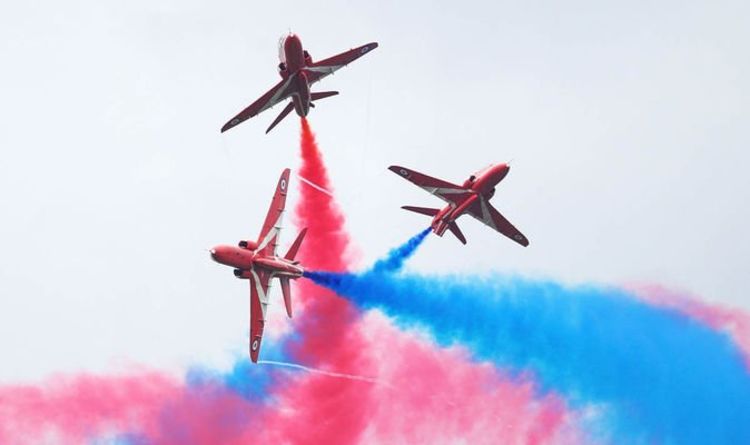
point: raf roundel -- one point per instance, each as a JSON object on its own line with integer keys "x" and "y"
{"x": 365, "y": 49}
{"x": 255, "y": 345}
{"x": 282, "y": 184}
{"x": 404, "y": 173}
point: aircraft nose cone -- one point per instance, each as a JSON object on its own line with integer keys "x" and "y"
{"x": 212, "y": 252}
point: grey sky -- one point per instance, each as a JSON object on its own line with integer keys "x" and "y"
{"x": 627, "y": 126}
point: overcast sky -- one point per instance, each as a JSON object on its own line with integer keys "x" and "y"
{"x": 627, "y": 126}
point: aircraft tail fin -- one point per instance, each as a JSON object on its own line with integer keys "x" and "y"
{"x": 421, "y": 210}
{"x": 453, "y": 227}
{"x": 295, "y": 245}
{"x": 322, "y": 95}
{"x": 287, "y": 292}
{"x": 285, "y": 288}
{"x": 288, "y": 109}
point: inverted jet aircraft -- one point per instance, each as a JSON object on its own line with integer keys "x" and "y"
{"x": 258, "y": 263}
{"x": 472, "y": 198}
{"x": 298, "y": 72}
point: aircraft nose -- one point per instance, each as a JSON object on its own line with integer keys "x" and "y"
{"x": 212, "y": 252}
{"x": 291, "y": 41}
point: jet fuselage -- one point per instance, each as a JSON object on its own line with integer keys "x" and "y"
{"x": 295, "y": 60}
{"x": 482, "y": 184}
{"x": 245, "y": 260}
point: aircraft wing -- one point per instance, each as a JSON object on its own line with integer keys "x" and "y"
{"x": 268, "y": 240}
{"x": 322, "y": 68}
{"x": 448, "y": 192}
{"x": 259, "y": 287}
{"x": 278, "y": 93}
{"x": 488, "y": 215}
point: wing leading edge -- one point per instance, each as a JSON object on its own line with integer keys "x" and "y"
{"x": 278, "y": 93}
{"x": 448, "y": 192}
{"x": 325, "y": 67}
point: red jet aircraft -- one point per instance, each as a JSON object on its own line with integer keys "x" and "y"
{"x": 470, "y": 198}
{"x": 298, "y": 72}
{"x": 259, "y": 263}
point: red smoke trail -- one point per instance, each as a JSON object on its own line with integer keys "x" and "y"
{"x": 206, "y": 414}
{"x": 151, "y": 406}
{"x": 73, "y": 410}
{"x": 439, "y": 396}
{"x": 327, "y": 410}
{"x": 325, "y": 324}
{"x": 327, "y": 243}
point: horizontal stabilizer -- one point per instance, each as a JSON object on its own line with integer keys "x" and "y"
{"x": 453, "y": 227}
{"x": 295, "y": 246}
{"x": 288, "y": 109}
{"x": 422, "y": 210}
{"x": 322, "y": 95}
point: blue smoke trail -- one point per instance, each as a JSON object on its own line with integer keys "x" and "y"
{"x": 396, "y": 257}
{"x": 659, "y": 375}
{"x": 246, "y": 379}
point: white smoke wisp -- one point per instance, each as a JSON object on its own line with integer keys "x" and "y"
{"x": 315, "y": 186}
{"x": 339, "y": 375}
